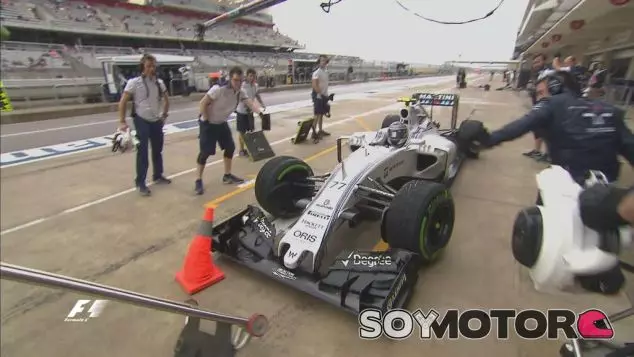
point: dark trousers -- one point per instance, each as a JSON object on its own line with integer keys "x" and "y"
{"x": 148, "y": 133}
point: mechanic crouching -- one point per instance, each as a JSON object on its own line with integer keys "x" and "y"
{"x": 582, "y": 134}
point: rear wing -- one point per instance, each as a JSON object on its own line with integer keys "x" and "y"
{"x": 435, "y": 100}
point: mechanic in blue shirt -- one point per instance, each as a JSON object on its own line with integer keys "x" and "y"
{"x": 581, "y": 134}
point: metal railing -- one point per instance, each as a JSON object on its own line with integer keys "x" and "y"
{"x": 255, "y": 326}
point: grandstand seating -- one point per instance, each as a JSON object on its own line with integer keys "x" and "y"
{"x": 28, "y": 60}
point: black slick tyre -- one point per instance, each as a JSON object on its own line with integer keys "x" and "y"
{"x": 526, "y": 243}
{"x": 274, "y": 186}
{"x": 420, "y": 219}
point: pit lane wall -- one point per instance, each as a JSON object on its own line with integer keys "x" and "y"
{"x": 20, "y": 115}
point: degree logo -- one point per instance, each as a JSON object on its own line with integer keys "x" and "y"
{"x": 594, "y": 324}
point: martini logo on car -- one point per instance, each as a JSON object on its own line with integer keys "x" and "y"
{"x": 477, "y": 324}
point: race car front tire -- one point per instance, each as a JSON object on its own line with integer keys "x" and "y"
{"x": 420, "y": 219}
{"x": 389, "y": 119}
{"x": 274, "y": 189}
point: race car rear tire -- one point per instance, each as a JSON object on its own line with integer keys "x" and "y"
{"x": 274, "y": 190}
{"x": 468, "y": 132}
{"x": 389, "y": 119}
{"x": 420, "y": 219}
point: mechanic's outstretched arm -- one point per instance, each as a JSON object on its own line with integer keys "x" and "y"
{"x": 539, "y": 115}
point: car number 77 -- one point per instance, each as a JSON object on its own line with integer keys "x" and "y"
{"x": 338, "y": 184}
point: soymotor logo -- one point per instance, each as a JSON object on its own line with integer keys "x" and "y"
{"x": 400, "y": 324}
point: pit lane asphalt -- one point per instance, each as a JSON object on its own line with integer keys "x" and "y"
{"x": 50, "y": 132}
{"x": 139, "y": 243}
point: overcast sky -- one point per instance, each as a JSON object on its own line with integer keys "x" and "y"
{"x": 382, "y": 30}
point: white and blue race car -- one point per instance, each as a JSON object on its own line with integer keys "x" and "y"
{"x": 398, "y": 175}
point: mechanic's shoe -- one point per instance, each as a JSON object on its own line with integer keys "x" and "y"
{"x": 143, "y": 190}
{"x": 231, "y": 179}
{"x": 198, "y": 187}
{"x": 532, "y": 153}
{"x": 315, "y": 138}
{"x": 162, "y": 181}
{"x": 323, "y": 133}
{"x": 243, "y": 153}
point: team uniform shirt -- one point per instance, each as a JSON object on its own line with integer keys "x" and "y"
{"x": 146, "y": 97}
{"x": 225, "y": 102}
{"x": 251, "y": 90}
{"x": 322, "y": 76}
{"x": 581, "y": 134}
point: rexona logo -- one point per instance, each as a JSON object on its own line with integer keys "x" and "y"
{"x": 476, "y": 324}
{"x": 305, "y": 236}
{"x": 368, "y": 260}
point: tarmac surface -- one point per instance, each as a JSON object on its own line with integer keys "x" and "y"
{"x": 49, "y": 132}
{"x": 78, "y": 215}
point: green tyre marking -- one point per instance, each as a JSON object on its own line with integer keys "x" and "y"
{"x": 422, "y": 237}
{"x": 290, "y": 169}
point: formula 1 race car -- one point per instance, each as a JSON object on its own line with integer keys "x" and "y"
{"x": 398, "y": 176}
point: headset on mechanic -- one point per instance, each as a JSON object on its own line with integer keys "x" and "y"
{"x": 581, "y": 134}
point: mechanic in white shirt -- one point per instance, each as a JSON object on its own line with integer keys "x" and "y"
{"x": 147, "y": 92}
{"x": 245, "y": 122}
{"x": 320, "y": 96}
{"x": 215, "y": 109}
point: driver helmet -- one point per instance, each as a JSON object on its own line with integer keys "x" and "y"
{"x": 123, "y": 141}
{"x": 397, "y": 134}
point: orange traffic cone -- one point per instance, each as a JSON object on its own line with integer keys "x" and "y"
{"x": 199, "y": 271}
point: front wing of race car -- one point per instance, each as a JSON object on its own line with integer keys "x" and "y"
{"x": 357, "y": 280}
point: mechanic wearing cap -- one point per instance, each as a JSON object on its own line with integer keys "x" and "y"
{"x": 215, "y": 109}
{"x": 320, "y": 97}
{"x": 245, "y": 122}
{"x": 582, "y": 134}
{"x": 146, "y": 91}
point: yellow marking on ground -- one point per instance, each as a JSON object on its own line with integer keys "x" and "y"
{"x": 363, "y": 124}
{"x": 380, "y": 246}
{"x": 218, "y": 200}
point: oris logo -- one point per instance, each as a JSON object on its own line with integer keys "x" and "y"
{"x": 305, "y": 236}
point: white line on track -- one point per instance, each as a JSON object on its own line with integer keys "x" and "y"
{"x": 84, "y": 124}
{"x": 178, "y": 174}
{"x": 22, "y": 133}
